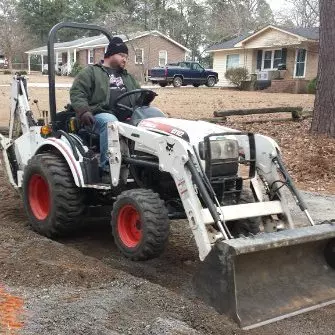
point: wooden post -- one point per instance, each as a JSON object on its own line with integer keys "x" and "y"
{"x": 295, "y": 111}
{"x": 68, "y": 61}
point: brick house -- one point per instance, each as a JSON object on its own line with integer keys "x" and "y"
{"x": 146, "y": 50}
{"x": 284, "y": 58}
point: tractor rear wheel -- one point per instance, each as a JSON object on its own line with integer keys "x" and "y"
{"x": 53, "y": 202}
{"x": 140, "y": 224}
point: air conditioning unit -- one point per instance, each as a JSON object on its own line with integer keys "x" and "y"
{"x": 263, "y": 75}
{"x": 268, "y": 75}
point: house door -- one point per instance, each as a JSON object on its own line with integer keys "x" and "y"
{"x": 300, "y": 64}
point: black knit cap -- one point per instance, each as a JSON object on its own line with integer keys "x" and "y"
{"x": 116, "y": 46}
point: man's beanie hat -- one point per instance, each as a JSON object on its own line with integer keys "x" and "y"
{"x": 115, "y": 46}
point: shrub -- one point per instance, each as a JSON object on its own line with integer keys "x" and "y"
{"x": 7, "y": 72}
{"x": 76, "y": 68}
{"x": 311, "y": 88}
{"x": 237, "y": 75}
{"x": 45, "y": 72}
{"x": 22, "y": 73}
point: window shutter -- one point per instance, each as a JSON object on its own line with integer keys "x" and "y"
{"x": 259, "y": 59}
{"x": 284, "y": 55}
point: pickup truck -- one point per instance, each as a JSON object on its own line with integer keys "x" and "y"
{"x": 183, "y": 73}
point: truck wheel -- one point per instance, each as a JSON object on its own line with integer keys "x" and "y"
{"x": 177, "y": 81}
{"x": 140, "y": 224}
{"x": 210, "y": 82}
{"x": 51, "y": 199}
{"x": 162, "y": 84}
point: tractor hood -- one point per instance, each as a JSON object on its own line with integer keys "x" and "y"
{"x": 191, "y": 131}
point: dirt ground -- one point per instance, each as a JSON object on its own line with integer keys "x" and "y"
{"x": 82, "y": 285}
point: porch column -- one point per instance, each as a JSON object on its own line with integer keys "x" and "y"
{"x": 74, "y": 55}
{"x": 29, "y": 63}
{"x": 42, "y": 62}
{"x": 56, "y": 62}
{"x": 68, "y": 61}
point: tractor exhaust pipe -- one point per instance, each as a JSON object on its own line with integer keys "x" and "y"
{"x": 270, "y": 277}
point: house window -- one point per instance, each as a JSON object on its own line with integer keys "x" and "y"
{"x": 232, "y": 61}
{"x": 267, "y": 60}
{"x": 162, "y": 58}
{"x": 271, "y": 59}
{"x": 277, "y": 58}
{"x": 90, "y": 56}
{"x": 139, "y": 56}
{"x": 300, "y": 65}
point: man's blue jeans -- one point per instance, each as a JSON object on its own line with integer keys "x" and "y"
{"x": 100, "y": 128}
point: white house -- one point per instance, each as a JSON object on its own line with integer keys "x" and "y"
{"x": 295, "y": 50}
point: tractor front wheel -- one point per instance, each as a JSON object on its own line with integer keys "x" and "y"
{"x": 54, "y": 204}
{"x": 140, "y": 224}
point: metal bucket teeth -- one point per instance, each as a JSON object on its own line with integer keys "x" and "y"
{"x": 270, "y": 277}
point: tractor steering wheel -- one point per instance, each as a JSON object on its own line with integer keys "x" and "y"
{"x": 149, "y": 95}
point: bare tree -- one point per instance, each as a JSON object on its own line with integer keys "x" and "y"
{"x": 302, "y": 13}
{"x": 324, "y": 110}
{"x": 235, "y": 17}
{"x": 14, "y": 39}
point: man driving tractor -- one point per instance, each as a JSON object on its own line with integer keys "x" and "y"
{"x": 95, "y": 90}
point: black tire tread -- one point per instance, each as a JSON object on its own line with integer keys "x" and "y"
{"x": 67, "y": 198}
{"x": 249, "y": 225}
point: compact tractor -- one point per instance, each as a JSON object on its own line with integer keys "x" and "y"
{"x": 257, "y": 266}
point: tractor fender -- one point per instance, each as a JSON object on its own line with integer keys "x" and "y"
{"x": 65, "y": 151}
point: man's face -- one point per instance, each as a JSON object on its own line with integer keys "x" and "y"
{"x": 117, "y": 60}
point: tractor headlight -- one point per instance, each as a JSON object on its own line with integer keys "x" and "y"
{"x": 222, "y": 149}
{"x": 220, "y": 156}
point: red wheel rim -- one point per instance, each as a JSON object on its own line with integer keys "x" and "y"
{"x": 39, "y": 196}
{"x": 129, "y": 226}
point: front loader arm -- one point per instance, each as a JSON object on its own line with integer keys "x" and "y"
{"x": 177, "y": 157}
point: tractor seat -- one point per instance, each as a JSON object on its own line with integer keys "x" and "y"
{"x": 63, "y": 122}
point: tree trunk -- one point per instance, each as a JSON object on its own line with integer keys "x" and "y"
{"x": 324, "y": 109}
{"x": 10, "y": 62}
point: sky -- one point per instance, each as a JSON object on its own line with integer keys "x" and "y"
{"x": 276, "y": 4}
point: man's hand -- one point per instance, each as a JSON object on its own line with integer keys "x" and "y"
{"x": 87, "y": 119}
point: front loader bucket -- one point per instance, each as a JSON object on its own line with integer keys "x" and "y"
{"x": 269, "y": 277}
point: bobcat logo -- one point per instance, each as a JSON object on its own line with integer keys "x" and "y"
{"x": 169, "y": 147}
